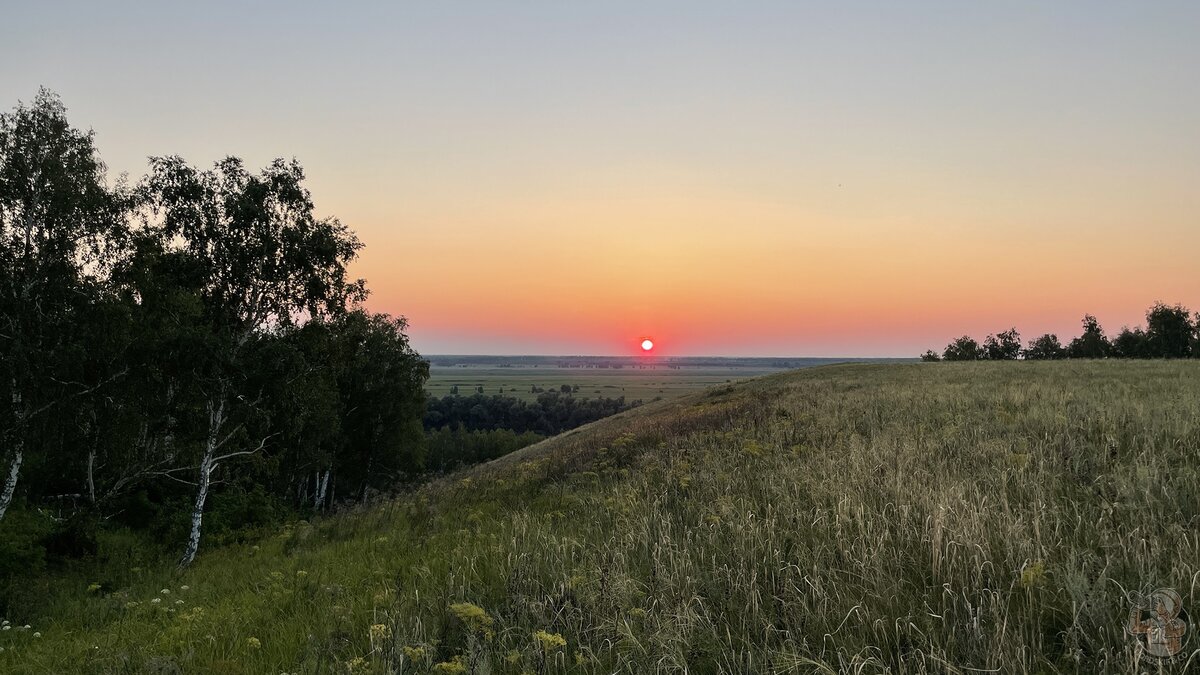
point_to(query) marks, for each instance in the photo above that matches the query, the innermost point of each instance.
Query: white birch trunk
(322, 486)
(91, 472)
(216, 418)
(10, 483)
(14, 469)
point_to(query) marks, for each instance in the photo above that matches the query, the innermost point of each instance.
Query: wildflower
(379, 632)
(513, 657)
(93, 588)
(185, 587)
(179, 602)
(637, 613)
(26, 627)
(131, 604)
(356, 663)
(475, 619)
(414, 653)
(300, 574)
(454, 667)
(6, 627)
(155, 601)
(37, 634)
(165, 591)
(253, 643)
(1032, 575)
(549, 641)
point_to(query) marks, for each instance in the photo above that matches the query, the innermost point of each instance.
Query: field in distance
(644, 378)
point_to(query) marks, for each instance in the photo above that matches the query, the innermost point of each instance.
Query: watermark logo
(1159, 623)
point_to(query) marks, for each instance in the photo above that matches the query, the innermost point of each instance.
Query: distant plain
(635, 378)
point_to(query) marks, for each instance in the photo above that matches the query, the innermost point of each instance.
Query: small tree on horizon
(1003, 346)
(1045, 348)
(1130, 344)
(1169, 331)
(1092, 344)
(964, 348)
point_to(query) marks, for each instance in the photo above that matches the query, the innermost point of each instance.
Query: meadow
(636, 378)
(918, 518)
(646, 383)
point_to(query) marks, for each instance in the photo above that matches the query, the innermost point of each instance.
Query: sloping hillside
(904, 518)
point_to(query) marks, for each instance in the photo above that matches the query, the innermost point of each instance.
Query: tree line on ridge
(1171, 332)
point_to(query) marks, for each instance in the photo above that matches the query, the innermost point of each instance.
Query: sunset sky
(729, 178)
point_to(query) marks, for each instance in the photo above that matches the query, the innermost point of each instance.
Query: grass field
(638, 378)
(645, 384)
(934, 518)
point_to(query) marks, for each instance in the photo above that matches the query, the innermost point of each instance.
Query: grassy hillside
(902, 518)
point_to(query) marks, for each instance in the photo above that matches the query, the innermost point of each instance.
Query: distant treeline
(552, 413)
(450, 448)
(1171, 332)
(182, 354)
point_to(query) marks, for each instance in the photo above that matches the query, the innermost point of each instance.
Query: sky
(728, 178)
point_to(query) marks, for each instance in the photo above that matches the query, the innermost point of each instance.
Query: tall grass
(957, 518)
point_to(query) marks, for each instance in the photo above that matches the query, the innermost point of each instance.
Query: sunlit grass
(916, 518)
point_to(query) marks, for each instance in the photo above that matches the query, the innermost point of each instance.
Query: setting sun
(647, 345)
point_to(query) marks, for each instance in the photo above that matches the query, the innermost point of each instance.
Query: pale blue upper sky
(442, 126)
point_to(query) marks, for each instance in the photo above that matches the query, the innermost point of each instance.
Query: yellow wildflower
(414, 653)
(455, 667)
(475, 619)
(253, 643)
(379, 632)
(1032, 575)
(549, 641)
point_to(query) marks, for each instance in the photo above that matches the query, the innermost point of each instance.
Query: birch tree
(58, 222)
(267, 263)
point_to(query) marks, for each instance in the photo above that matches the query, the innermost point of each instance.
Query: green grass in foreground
(913, 518)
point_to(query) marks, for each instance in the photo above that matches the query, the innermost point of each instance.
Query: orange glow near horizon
(764, 277)
(792, 179)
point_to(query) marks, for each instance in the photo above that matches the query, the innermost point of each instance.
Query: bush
(964, 348)
(1169, 331)
(1045, 348)
(22, 549)
(1003, 346)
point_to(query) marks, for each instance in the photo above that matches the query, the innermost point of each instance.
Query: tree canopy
(192, 338)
